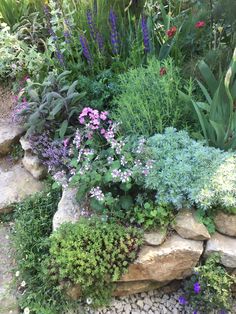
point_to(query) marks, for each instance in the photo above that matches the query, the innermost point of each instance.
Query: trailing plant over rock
(93, 254)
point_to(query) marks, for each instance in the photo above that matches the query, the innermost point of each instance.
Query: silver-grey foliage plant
(187, 173)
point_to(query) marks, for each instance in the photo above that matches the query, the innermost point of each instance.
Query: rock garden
(117, 157)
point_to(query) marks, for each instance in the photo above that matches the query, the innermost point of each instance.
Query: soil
(6, 102)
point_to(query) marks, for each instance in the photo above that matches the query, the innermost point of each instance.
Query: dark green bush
(93, 254)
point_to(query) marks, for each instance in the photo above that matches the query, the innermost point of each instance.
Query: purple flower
(91, 24)
(85, 49)
(146, 40)
(182, 300)
(97, 194)
(197, 287)
(195, 312)
(100, 41)
(60, 56)
(114, 32)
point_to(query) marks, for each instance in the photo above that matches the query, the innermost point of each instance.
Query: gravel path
(153, 302)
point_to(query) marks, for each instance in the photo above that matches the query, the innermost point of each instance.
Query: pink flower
(103, 115)
(103, 131)
(171, 32)
(200, 24)
(81, 120)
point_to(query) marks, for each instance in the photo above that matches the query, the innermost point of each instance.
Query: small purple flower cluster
(85, 49)
(197, 290)
(54, 153)
(146, 40)
(121, 176)
(97, 194)
(114, 32)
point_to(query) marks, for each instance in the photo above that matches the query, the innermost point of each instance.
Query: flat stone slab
(174, 259)
(15, 185)
(8, 302)
(10, 133)
(225, 246)
(226, 224)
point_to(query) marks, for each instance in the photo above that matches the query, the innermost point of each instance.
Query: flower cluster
(200, 24)
(114, 32)
(97, 193)
(146, 40)
(171, 32)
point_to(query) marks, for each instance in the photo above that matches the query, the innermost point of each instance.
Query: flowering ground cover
(132, 103)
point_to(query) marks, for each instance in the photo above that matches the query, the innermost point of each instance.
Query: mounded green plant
(209, 288)
(93, 254)
(149, 99)
(186, 173)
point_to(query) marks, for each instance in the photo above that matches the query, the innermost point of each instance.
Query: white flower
(17, 273)
(23, 284)
(89, 300)
(26, 310)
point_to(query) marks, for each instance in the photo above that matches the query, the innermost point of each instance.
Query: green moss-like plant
(93, 254)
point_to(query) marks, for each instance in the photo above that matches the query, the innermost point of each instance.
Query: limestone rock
(16, 184)
(68, 208)
(154, 238)
(25, 144)
(226, 224)
(32, 164)
(187, 226)
(9, 134)
(174, 259)
(8, 302)
(224, 245)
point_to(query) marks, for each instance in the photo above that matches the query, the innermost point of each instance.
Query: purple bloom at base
(85, 49)
(195, 312)
(114, 32)
(197, 287)
(182, 300)
(146, 40)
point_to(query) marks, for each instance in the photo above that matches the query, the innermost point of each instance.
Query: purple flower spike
(197, 287)
(100, 41)
(91, 24)
(60, 56)
(85, 48)
(146, 40)
(114, 32)
(182, 300)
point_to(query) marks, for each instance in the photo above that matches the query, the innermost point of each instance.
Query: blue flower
(182, 300)
(197, 287)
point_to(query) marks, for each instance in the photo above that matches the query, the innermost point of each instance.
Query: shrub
(93, 259)
(17, 58)
(185, 172)
(209, 288)
(33, 226)
(149, 99)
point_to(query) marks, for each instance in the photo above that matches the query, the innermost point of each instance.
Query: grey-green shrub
(149, 99)
(187, 173)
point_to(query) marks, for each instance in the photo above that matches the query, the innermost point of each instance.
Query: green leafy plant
(149, 99)
(93, 259)
(16, 58)
(209, 288)
(53, 103)
(217, 115)
(32, 228)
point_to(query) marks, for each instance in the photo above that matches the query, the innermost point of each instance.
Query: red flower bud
(171, 32)
(200, 24)
(162, 71)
